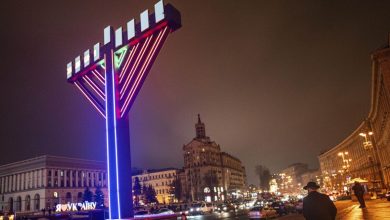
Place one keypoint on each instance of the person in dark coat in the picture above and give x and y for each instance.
(317, 206)
(358, 189)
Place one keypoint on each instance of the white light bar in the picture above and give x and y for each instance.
(77, 64)
(118, 37)
(87, 58)
(96, 52)
(69, 70)
(130, 29)
(107, 35)
(144, 20)
(159, 11)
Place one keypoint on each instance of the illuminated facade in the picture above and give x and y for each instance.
(348, 160)
(110, 78)
(380, 109)
(290, 179)
(365, 153)
(311, 176)
(161, 181)
(209, 173)
(42, 182)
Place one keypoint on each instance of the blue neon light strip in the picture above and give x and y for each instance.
(108, 153)
(115, 132)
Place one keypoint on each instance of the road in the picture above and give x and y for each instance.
(346, 210)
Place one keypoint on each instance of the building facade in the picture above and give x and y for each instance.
(209, 173)
(42, 182)
(161, 181)
(365, 153)
(311, 176)
(290, 179)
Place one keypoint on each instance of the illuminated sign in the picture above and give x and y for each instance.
(80, 206)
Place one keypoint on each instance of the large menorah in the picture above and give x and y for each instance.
(110, 78)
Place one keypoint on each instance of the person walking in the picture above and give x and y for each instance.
(317, 206)
(359, 191)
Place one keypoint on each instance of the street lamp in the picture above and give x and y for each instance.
(367, 144)
(346, 161)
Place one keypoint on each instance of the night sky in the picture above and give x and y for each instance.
(276, 82)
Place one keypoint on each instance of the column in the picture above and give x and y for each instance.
(4, 184)
(14, 182)
(18, 182)
(23, 181)
(77, 178)
(71, 178)
(87, 178)
(31, 177)
(52, 177)
(34, 179)
(44, 177)
(41, 178)
(26, 180)
(94, 174)
(66, 178)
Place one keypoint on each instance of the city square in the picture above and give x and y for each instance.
(169, 109)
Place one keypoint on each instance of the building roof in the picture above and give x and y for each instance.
(53, 162)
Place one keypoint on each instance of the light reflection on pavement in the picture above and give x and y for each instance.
(346, 210)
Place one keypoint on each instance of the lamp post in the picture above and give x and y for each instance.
(369, 146)
(345, 166)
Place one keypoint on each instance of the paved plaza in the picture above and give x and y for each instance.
(348, 210)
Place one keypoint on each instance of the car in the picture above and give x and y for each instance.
(387, 195)
(260, 212)
(299, 206)
(196, 209)
(140, 213)
(163, 211)
(209, 207)
(225, 207)
(280, 208)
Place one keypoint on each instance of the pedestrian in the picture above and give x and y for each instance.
(317, 206)
(359, 191)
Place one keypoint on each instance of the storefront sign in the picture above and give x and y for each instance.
(81, 206)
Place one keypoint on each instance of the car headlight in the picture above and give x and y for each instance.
(224, 208)
(191, 210)
(197, 209)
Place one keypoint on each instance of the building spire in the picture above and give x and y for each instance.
(200, 129)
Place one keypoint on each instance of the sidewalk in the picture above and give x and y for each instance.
(376, 209)
(348, 210)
